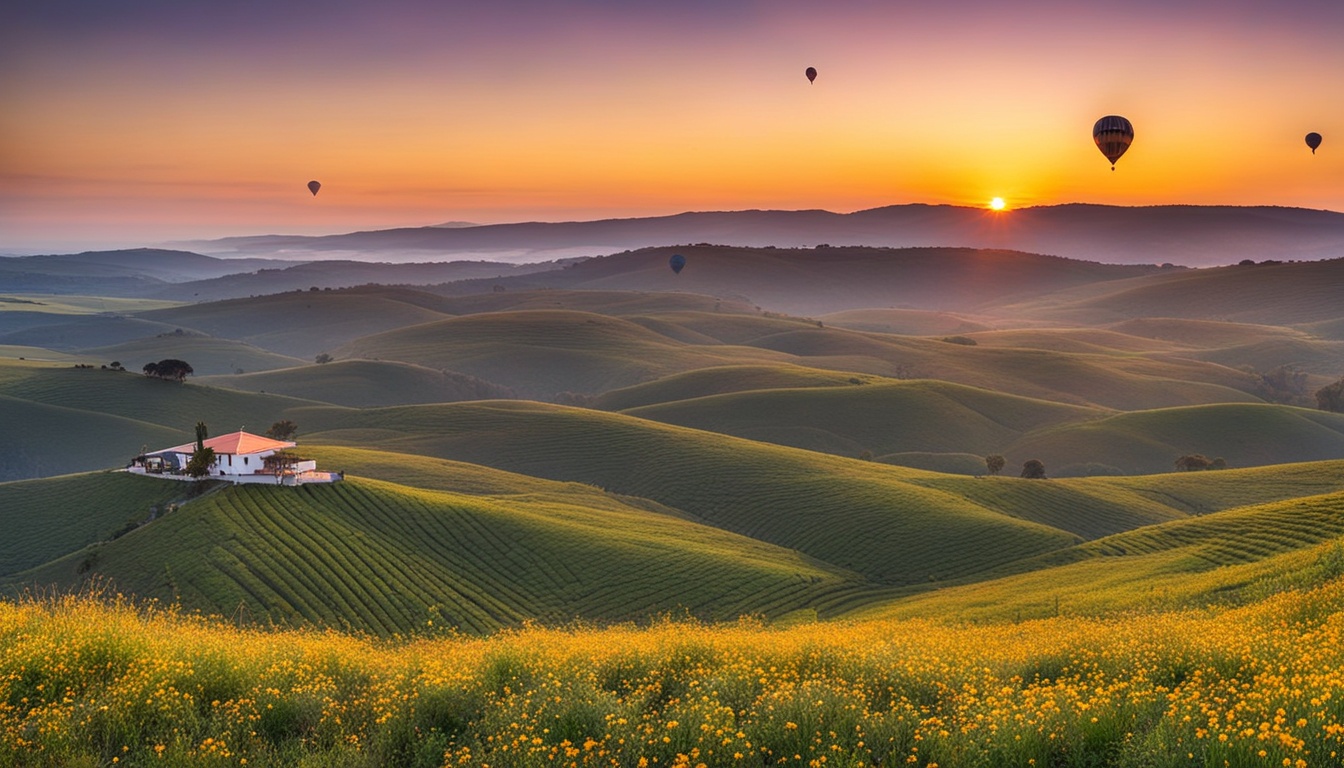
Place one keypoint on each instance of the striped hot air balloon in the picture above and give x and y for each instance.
(1113, 135)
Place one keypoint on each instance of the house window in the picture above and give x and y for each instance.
(244, 461)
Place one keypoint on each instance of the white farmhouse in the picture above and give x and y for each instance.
(240, 457)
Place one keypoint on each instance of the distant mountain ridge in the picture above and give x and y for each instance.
(1182, 234)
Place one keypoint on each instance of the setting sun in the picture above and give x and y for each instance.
(997, 204)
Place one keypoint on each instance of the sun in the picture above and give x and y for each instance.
(997, 204)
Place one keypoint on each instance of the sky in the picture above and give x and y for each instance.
(134, 122)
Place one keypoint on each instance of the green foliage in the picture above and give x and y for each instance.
(201, 460)
(283, 430)
(1193, 462)
(995, 463)
(1331, 397)
(1033, 469)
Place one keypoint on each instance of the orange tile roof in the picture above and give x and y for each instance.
(236, 443)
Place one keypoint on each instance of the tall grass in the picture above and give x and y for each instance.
(89, 681)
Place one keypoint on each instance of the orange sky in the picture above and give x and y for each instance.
(169, 121)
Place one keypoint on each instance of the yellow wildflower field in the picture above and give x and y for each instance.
(86, 681)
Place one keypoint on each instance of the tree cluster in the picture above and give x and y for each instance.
(170, 369)
(1193, 462)
(1331, 397)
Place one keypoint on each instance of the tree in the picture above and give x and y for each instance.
(171, 368)
(201, 458)
(199, 464)
(1033, 469)
(1331, 397)
(1285, 384)
(1193, 462)
(995, 463)
(322, 359)
(283, 430)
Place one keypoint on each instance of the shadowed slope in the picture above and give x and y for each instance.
(1149, 441)
(881, 418)
(48, 518)
(543, 353)
(725, 379)
(365, 383)
(306, 323)
(206, 354)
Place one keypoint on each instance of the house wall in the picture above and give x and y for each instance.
(247, 464)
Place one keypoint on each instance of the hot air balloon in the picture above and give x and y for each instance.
(811, 74)
(1113, 135)
(676, 262)
(313, 186)
(1313, 141)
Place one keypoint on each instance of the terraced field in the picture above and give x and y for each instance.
(384, 558)
(1238, 555)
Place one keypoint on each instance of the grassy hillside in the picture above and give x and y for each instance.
(881, 418)
(42, 522)
(908, 322)
(135, 396)
(1149, 441)
(385, 558)
(725, 379)
(365, 383)
(542, 353)
(1237, 555)
(1272, 294)
(303, 324)
(1111, 380)
(207, 355)
(68, 332)
(618, 303)
(812, 281)
(43, 440)
(857, 516)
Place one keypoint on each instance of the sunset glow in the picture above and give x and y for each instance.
(153, 120)
(997, 204)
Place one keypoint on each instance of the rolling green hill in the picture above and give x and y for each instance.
(134, 396)
(908, 322)
(1149, 441)
(884, 418)
(725, 379)
(384, 558)
(43, 440)
(304, 324)
(857, 516)
(206, 354)
(1272, 294)
(365, 383)
(67, 332)
(1232, 556)
(546, 352)
(43, 522)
